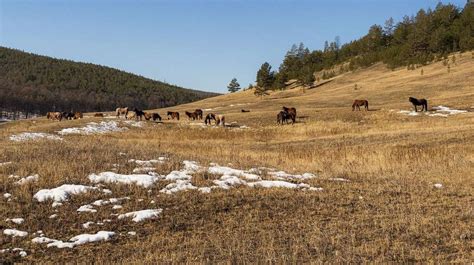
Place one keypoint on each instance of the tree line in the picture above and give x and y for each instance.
(415, 40)
(37, 84)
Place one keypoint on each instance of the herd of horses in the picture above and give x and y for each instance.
(58, 116)
(286, 115)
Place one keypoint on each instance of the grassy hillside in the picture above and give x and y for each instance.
(395, 188)
(35, 83)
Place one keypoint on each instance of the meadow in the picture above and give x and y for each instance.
(381, 186)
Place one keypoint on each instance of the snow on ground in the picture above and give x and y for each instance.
(220, 170)
(94, 128)
(339, 179)
(61, 193)
(138, 124)
(179, 185)
(7, 195)
(25, 180)
(282, 175)
(139, 216)
(75, 241)
(5, 163)
(20, 251)
(15, 233)
(90, 207)
(438, 185)
(15, 220)
(27, 136)
(439, 111)
(112, 177)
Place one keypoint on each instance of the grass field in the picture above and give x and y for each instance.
(395, 188)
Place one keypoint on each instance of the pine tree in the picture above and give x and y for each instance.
(233, 86)
(265, 76)
(260, 91)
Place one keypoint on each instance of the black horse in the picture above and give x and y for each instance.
(139, 113)
(156, 116)
(68, 115)
(419, 102)
(209, 117)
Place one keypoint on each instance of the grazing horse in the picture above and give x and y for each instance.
(419, 102)
(156, 116)
(199, 113)
(130, 115)
(68, 115)
(54, 116)
(173, 115)
(283, 116)
(139, 113)
(78, 115)
(290, 110)
(209, 117)
(360, 102)
(99, 115)
(220, 119)
(148, 116)
(120, 111)
(192, 115)
(245, 110)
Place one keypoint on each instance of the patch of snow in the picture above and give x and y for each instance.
(221, 170)
(87, 224)
(339, 179)
(132, 233)
(15, 233)
(94, 128)
(448, 110)
(61, 193)
(15, 220)
(138, 124)
(148, 163)
(112, 177)
(87, 208)
(140, 170)
(6, 195)
(56, 204)
(53, 216)
(27, 136)
(226, 182)
(27, 179)
(179, 185)
(77, 240)
(409, 113)
(5, 163)
(139, 216)
(115, 207)
(438, 185)
(277, 184)
(282, 175)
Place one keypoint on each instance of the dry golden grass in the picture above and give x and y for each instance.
(388, 212)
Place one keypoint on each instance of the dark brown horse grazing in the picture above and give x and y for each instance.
(192, 115)
(282, 116)
(199, 113)
(419, 102)
(156, 116)
(209, 117)
(173, 115)
(120, 111)
(139, 114)
(360, 102)
(290, 110)
(68, 115)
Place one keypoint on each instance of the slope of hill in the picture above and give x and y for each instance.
(35, 83)
(380, 186)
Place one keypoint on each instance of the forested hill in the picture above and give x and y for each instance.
(413, 41)
(37, 84)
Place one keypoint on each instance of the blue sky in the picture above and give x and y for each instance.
(199, 44)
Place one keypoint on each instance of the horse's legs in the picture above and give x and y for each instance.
(415, 108)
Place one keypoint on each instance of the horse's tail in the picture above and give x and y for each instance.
(367, 105)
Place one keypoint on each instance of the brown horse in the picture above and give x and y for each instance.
(131, 115)
(199, 113)
(120, 111)
(54, 116)
(283, 116)
(417, 102)
(290, 110)
(191, 115)
(99, 115)
(78, 115)
(173, 115)
(147, 115)
(360, 102)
